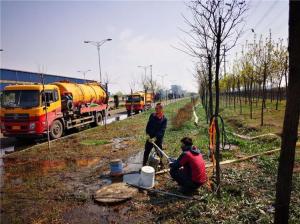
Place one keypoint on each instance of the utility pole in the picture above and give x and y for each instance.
(84, 73)
(162, 80)
(46, 111)
(98, 44)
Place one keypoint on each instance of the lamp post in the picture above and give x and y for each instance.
(162, 81)
(84, 73)
(98, 44)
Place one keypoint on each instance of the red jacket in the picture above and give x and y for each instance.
(193, 165)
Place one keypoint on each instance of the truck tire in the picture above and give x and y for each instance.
(56, 129)
(128, 113)
(98, 120)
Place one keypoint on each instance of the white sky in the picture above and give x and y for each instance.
(51, 34)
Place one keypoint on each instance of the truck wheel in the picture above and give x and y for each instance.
(56, 129)
(136, 111)
(98, 119)
(128, 113)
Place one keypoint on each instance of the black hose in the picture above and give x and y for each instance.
(224, 139)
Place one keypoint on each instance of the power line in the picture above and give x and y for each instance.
(269, 10)
(276, 18)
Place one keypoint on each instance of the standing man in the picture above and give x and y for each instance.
(189, 169)
(155, 130)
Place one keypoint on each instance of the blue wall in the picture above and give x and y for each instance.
(21, 76)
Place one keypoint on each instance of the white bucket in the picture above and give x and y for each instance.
(147, 177)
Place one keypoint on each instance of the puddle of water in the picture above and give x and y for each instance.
(134, 163)
(117, 118)
(131, 171)
(133, 178)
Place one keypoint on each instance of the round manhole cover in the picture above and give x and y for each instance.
(114, 193)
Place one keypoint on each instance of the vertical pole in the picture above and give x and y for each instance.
(98, 48)
(105, 116)
(131, 106)
(46, 111)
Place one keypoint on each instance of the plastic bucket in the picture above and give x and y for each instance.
(147, 177)
(116, 167)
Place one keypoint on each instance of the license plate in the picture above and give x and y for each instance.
(16, 127)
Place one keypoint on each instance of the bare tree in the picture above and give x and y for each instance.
(214, 23)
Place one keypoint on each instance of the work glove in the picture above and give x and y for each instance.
(172, 160)
(152, 140)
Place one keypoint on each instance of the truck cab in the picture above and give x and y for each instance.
(23, 109)
(137, 102)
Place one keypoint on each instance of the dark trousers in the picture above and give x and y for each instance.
(148, 148)
(183, 180)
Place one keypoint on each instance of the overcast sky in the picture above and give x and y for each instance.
(51, 34)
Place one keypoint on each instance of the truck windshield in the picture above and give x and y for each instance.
(20, 98)
(133, 99)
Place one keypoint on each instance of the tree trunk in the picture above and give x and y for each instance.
(234, 96)
(286, 76)
(291, 120)
(278, 92)
(206, 106)
(240, 97)
(263, 104)
(210, 86)
(218, 177)
(250, 97)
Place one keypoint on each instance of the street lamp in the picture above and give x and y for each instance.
(162, 79)
(145, 69)
(98, 44)
(84, 73)
(162, 82)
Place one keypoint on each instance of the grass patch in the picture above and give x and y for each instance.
(94, 142)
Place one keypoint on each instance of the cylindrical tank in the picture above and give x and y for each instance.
(83, 93)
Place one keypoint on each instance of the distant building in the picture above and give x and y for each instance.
(10, 76)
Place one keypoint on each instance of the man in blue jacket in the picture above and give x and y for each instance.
(155, 130)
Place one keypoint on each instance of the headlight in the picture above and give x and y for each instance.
(32, 126)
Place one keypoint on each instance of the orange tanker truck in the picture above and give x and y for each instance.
(68, 105)
(138, 101)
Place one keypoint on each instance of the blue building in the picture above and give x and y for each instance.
(9, 76)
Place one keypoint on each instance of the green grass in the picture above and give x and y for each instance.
(94, 142)
(248, 188)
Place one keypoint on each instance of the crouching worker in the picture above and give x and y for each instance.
(189, 169)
